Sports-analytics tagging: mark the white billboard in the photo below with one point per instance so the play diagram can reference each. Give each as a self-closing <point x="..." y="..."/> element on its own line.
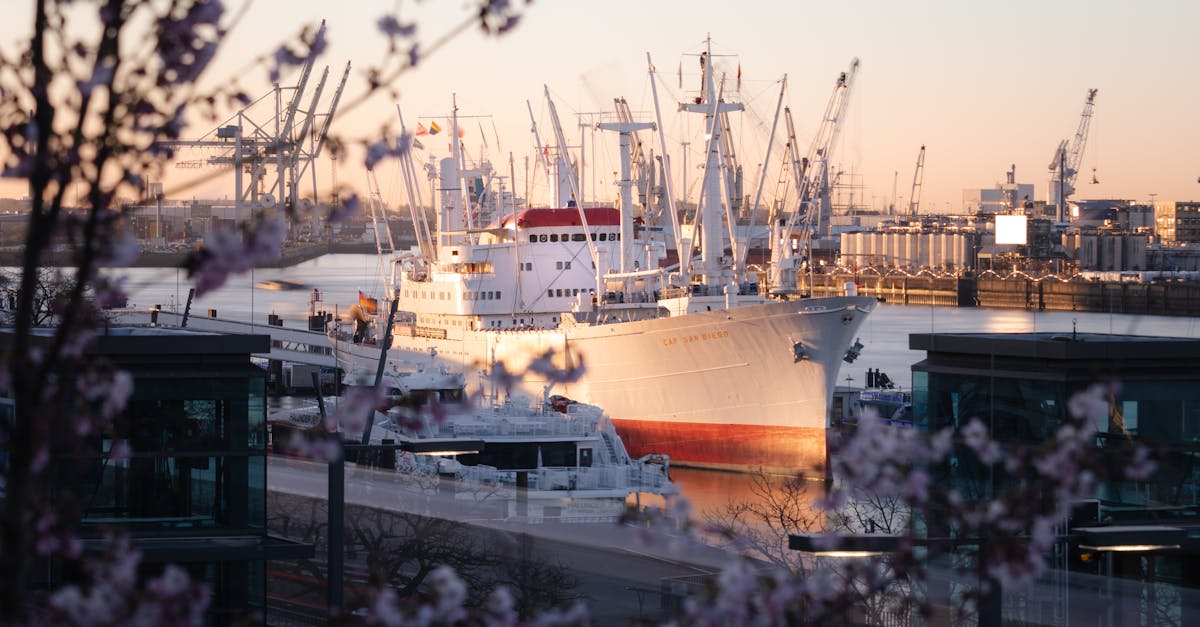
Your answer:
<point x="1012" y="230"/>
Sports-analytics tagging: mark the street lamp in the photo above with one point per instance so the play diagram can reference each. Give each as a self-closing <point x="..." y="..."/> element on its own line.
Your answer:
<point x="991" y="594"/>
<point x="1131" y="538"/>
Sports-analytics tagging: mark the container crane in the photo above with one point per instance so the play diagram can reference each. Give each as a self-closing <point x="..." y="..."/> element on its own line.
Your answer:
<point x="914" y="199"/>
<point x="1064" y="167"/>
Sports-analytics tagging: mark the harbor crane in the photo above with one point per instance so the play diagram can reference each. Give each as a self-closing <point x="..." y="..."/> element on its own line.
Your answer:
<point x="288" y="142"/>
<point x="812" y="209"/>
<point x="1064" y="167"/>
<point x="914" y="199"/>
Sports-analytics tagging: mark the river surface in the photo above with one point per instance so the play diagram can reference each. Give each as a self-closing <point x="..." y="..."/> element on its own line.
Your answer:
<point x="884" y="335"/>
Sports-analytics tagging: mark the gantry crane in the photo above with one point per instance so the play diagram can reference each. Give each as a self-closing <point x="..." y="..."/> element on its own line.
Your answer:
<point x="914" y="199"/>
<point x="1064" y="167"/>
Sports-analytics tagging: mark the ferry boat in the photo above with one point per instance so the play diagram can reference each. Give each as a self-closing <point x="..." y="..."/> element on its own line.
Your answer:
<point x="545" y="454"/>
<point x="694" y="359"/>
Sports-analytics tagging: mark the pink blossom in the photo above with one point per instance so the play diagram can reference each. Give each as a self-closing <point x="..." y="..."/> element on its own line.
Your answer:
<point x="120" y="451"/>
<point x="1141" y="467"/>
<point x="1091" y="404"/>
<point x="121" y="250"/>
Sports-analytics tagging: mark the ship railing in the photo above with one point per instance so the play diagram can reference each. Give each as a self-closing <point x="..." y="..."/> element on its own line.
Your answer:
<point x="506" y="427"/>
<point x="642" y="477"/>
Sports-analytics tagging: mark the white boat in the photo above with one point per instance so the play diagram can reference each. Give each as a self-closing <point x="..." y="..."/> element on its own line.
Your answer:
<point x="696" y="361"/>
<point x="542" y="453"/>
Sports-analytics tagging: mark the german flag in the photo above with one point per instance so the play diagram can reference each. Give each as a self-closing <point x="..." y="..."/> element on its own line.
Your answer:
<point x="368" y="304"/>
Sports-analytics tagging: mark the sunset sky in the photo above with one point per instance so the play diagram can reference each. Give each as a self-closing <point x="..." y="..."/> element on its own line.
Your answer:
<point x="983" y="84"/>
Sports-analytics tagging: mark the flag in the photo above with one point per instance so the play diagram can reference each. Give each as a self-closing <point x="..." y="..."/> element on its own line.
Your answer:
<point x="461" y="132"/>
<point x="418" y="145"/>
<point x="369" y="305"/>
<point x="434" y="129"/>
<point x="421" y="129"/>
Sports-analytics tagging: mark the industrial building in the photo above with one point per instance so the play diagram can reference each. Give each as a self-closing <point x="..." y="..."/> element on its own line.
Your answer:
<point x="1176" y="221"/>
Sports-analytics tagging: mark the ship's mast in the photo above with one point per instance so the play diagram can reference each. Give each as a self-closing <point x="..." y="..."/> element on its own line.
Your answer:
<point x="574" y="186"/>
<point x="711" y="200"/>
<point x="666" y="163"/>
<point x="626" y="130"/>
<point x="451" y="226"/>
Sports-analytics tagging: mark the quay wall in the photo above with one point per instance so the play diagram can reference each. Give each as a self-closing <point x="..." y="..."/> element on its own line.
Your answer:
<point x="291" y="256"/>
<point x="1167" y="298"/>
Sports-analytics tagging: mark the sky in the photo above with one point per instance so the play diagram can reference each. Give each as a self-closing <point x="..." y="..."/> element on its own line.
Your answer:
<point x="983" y="85"/>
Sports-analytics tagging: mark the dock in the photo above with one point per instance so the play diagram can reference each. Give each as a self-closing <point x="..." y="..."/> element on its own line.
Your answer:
<point x="288" y="344"/>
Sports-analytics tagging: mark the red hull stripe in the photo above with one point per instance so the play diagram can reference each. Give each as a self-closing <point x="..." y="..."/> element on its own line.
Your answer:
<point x="786" y="449"/>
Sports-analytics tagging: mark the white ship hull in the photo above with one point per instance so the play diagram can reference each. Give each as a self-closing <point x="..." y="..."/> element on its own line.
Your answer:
<point x="717" y="389"/>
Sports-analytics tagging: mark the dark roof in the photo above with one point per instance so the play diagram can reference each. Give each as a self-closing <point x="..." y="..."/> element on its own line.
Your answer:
<point x="1063" y="346"/>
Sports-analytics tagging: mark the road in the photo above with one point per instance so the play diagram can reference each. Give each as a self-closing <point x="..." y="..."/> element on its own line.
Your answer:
<point x="622" y="569"/>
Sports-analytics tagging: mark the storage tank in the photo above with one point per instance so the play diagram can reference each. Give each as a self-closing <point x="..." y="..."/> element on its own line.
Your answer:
<point x="846" y="248"/>
<point x="1134" y="252"/>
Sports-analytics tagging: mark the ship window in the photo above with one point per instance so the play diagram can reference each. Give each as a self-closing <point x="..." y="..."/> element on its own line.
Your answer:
<point x="532" y="239"/>
<point x="558" y="265"/>
<point x="529" y="266"/>
<point x="578" y="237"/>
<point x="603" y="236"/>
<point x="497" y="295"/>
<point x="593" y="237"/>
<point x="554" y="237"/>
<point x="549" y="292"/>
<point x="566" y="237"/>
<point x="567" y="265"/>
<point x="614" y="236"/>
<point x="542" y="238"/>
<point x="559" y="292"/>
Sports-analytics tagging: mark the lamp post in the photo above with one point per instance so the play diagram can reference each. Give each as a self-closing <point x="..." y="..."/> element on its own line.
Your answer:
<point x="1144" y="540"/>
<point x="991" y="595"/>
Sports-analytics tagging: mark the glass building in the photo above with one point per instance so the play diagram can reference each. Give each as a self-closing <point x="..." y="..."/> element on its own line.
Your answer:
<point x="1019" y="386"/>
<point x="193" y="490"/>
